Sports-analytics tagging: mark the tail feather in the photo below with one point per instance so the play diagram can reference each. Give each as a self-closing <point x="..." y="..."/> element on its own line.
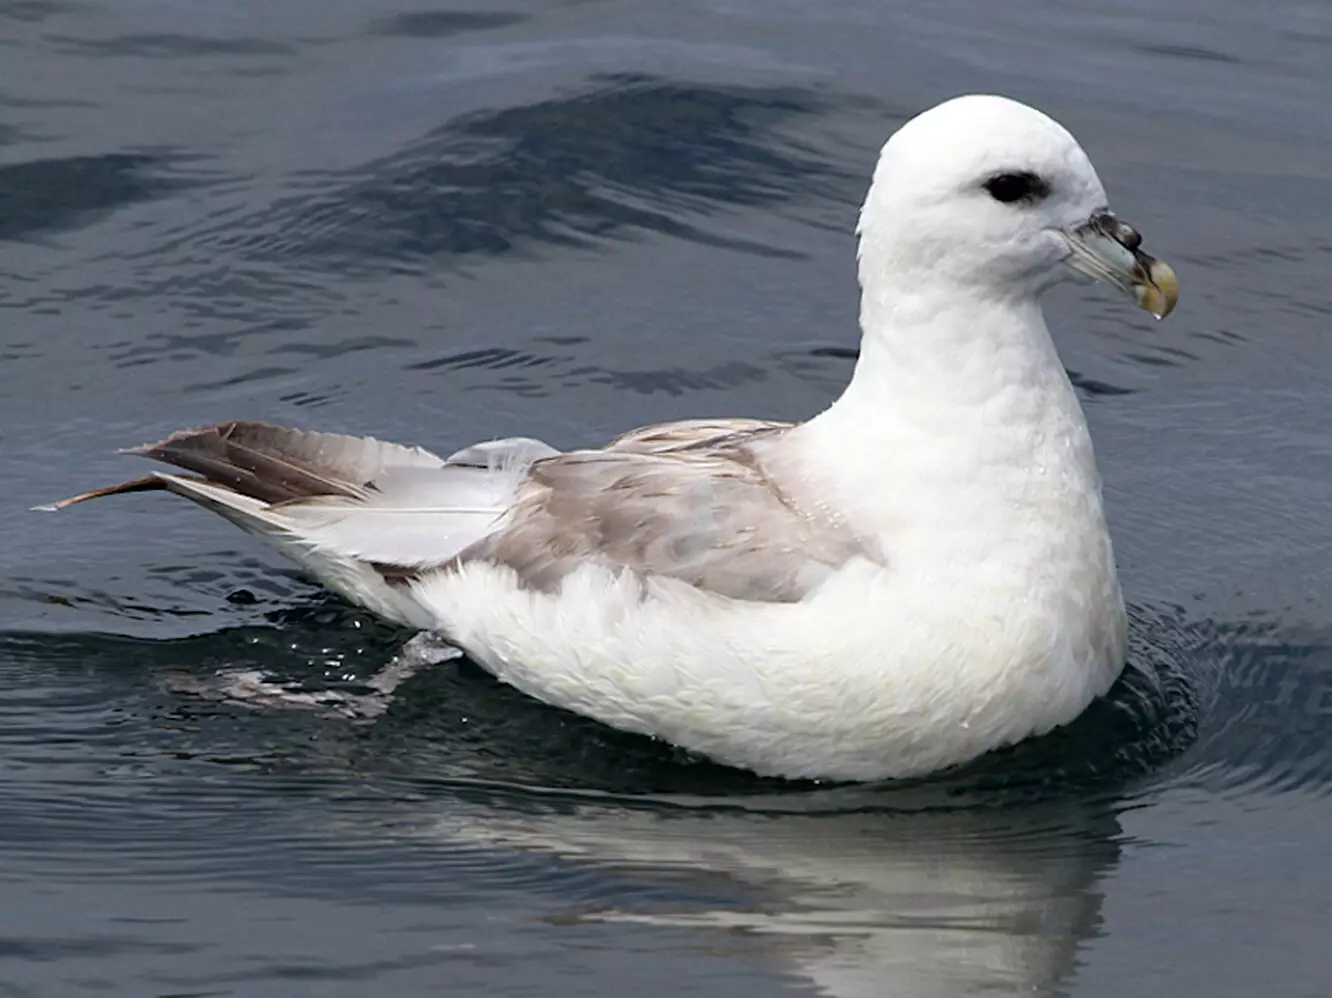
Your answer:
<point x="152" y="483"/>
<point x="357" y="513"/>
<point x="274" y="463"/>
<point x="414" y="520"/>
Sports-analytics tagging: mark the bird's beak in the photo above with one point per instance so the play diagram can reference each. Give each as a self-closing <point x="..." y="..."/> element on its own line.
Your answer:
<point x="1106" y="249"/>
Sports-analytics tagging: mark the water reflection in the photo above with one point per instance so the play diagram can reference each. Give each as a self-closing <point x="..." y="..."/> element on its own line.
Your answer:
<point x="920" y="904"/>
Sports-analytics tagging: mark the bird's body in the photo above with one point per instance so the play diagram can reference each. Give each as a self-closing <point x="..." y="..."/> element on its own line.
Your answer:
<point x="917" y="575"/>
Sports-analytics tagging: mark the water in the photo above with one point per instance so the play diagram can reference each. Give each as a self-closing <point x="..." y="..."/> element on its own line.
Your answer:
<point x="439" y="224"/>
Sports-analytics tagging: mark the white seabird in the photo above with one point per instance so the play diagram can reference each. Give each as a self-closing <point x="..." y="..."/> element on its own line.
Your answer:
<point x="915" y="576"/>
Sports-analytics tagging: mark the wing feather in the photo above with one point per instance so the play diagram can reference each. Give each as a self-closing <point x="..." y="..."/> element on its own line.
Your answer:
<point x="693" y="501"/>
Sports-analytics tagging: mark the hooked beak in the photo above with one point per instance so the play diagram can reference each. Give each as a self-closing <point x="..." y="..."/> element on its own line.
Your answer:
<point x="1106" y="249"/>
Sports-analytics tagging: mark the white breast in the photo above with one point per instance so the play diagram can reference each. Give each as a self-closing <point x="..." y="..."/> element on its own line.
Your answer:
<point x="995" y="613"/>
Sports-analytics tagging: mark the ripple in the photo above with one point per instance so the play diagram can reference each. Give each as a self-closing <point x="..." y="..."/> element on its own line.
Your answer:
<point x="545" y="374"/>
<point x="454" y="728"/>
<point x="49" y="195"/>
<point x="35" y="11"/>
<point x="1190" y="52"/>
<point x="169" y="46"/>
<point x="632" y="153"/>
<point x="445" y="23"/>
<point x="1270" y="729"/>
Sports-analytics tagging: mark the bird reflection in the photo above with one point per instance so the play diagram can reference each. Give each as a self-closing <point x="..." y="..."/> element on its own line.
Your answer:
<point x="919" y="903"/>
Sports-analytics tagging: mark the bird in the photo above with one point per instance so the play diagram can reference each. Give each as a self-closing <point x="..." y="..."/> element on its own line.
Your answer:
<point x="917" y="575"/>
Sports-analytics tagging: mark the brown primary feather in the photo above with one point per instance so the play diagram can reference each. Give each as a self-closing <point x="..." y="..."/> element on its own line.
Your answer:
<point x="275" y="464"/>
<point x="149" y="484"/>
<point x="269" y="464"/>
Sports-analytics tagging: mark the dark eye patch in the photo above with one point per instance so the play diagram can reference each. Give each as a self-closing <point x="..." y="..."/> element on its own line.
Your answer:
<point x="1017" y="186"/>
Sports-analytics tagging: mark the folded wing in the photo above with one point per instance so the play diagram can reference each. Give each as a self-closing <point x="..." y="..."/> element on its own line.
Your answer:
<point x="693" y="501"/>
<point x="354" y="511"/>
<point x="696" y="501"/>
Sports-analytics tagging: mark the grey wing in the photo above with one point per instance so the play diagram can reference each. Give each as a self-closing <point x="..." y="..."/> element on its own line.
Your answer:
<point x="690" y="501"/>
<point x="696" y="435"/>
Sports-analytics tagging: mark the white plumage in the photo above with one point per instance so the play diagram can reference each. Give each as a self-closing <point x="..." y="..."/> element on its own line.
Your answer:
<point x="915" y="576"/>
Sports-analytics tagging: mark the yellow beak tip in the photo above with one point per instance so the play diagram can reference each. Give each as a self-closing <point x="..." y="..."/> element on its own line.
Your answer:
<point x="1159" y="293"/>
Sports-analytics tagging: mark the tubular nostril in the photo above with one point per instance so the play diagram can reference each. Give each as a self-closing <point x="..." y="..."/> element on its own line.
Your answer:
<point x="1127" y="236"/>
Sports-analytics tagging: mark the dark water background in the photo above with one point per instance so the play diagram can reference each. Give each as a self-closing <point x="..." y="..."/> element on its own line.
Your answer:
<point x="438" y="224"/>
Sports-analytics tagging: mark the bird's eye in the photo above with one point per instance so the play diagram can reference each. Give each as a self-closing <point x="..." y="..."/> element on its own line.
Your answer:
<point x="1019" y="186"/>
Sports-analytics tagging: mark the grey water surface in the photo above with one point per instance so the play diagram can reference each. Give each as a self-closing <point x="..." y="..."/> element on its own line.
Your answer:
<point x="443" y="223"/>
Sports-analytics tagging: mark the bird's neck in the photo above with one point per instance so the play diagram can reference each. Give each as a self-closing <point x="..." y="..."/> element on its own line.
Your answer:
<point x="960" y="425"/>
<point x="960" y="455"/>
